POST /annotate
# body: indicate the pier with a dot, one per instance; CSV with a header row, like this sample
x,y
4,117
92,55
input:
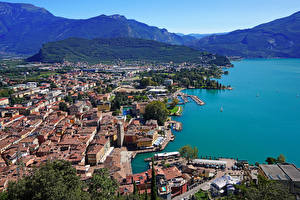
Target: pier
x,y
197,100
193,97
184,97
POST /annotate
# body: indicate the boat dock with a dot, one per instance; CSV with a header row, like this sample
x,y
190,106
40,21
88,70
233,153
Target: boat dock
x,y
176,125
184,97
197,100
193,97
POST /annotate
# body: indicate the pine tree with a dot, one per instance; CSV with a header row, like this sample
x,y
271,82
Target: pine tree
x,y
134,188
153,183
146,194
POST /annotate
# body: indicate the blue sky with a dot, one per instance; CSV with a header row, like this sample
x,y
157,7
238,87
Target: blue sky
x,y
184,16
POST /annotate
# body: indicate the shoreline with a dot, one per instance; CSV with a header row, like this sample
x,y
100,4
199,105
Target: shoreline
x,y
168,139
179,92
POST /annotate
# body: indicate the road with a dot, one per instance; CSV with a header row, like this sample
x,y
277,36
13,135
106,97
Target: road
x,y
192,191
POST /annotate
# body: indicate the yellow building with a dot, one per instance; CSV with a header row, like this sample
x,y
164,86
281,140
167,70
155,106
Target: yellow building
x,y
104,106
97,151
144,142
153,135
148,140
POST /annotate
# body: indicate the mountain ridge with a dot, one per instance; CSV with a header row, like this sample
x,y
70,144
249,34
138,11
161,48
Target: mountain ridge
x,y
30,27
278,38
25,27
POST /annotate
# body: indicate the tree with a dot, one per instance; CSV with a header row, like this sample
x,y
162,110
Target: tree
x,y
271,160
14,100
68,99
63,107
53,85
3,195
98,90
144,82
135,189
153,182
101,186
56,180
174,103
116,112
188,152
281,158
265,190
156,110
6,92
195,152
79,96
146,194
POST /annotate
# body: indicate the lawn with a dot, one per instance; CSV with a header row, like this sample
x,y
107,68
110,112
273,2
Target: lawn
x,y
174,110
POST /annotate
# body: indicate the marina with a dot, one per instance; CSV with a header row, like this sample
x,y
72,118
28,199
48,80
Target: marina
x,y
195,98
235,132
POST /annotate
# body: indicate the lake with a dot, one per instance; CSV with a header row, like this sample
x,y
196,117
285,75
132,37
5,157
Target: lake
x,y
260,118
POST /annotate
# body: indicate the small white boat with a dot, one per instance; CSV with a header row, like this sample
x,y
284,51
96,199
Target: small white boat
x,y
221,110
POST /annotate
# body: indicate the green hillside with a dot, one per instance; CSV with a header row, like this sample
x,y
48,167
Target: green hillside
x,y
124,49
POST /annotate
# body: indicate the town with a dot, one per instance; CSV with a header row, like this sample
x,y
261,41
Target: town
x,y
103,116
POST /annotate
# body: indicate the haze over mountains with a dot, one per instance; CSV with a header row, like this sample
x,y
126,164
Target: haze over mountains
x,y
24,28
199,36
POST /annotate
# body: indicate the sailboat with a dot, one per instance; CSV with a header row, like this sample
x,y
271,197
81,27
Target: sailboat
x,y
221,110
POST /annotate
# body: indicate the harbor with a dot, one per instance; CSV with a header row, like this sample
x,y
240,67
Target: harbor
x,y
168,138
223,134
185,97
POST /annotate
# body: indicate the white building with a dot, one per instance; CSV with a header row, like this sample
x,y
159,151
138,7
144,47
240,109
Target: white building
x,y
224,184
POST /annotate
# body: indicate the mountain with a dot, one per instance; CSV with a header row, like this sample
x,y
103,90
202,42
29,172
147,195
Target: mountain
x,y
279,38
125,49
24,28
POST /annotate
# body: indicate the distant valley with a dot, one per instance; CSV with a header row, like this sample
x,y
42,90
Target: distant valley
x,y
199,36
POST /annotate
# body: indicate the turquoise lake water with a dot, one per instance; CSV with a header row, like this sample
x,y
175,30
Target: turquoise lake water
x,y
260,118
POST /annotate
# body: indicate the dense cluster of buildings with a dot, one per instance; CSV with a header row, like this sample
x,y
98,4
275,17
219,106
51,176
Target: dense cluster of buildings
x,y
70,117
66,118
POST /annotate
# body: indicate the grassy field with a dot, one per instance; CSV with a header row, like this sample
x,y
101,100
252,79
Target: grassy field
x,y
174,110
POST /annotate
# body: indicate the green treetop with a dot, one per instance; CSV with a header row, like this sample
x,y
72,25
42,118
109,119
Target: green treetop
x,y
156,110
54,180
188,152
153,183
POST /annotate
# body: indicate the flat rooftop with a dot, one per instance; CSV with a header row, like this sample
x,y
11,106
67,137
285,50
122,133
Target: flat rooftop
x,y
291,171
274,172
